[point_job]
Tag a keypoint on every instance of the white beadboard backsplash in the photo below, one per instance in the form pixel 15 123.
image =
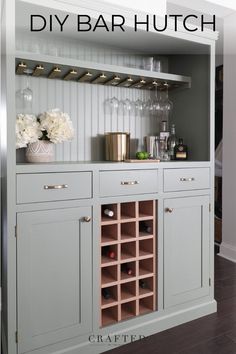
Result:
pixel 85 105
pixel 85 102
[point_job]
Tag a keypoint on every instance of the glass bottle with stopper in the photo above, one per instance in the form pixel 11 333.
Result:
pixel 164 133
pixel 164 153
pixel 172 142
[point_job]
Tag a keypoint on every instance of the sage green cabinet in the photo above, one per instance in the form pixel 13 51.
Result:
pixel 54 280
pixel 186 249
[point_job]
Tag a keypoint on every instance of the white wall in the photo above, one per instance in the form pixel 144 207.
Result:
pixel 174 7
pixel 219 60
pixel 228 248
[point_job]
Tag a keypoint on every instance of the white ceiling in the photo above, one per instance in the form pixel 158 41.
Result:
pixel 231 4
pixel 209 6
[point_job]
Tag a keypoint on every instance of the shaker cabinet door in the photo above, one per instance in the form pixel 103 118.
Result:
pixel 186 249
pixel 54 251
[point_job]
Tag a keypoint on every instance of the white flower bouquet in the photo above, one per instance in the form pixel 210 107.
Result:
pixel 27 130
pixel 54 126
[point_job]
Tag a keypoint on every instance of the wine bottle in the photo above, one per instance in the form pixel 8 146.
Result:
pixel 144 227
pixel 108 213
pixel 142 284
pixel 126 269
pixel 106 251
pixel 106 294
pixel 172 142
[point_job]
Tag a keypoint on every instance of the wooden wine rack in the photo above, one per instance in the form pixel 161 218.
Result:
pixel 134 247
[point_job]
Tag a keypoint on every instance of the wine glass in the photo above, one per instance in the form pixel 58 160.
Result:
pixel 27 92
pixel 167 107
pixel 107 106
pixel 139 105
pixel 128 106
pixel 148 106
pixel 114 103
pixel 158 105
pixel 111 105
pixel 24 97
pixel 121 107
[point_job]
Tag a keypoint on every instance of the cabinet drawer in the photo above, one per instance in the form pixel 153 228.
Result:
pixel 115 183
pixel 46 187
pixel 186 179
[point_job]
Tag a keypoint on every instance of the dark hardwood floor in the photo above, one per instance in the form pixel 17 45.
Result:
pixel 214 334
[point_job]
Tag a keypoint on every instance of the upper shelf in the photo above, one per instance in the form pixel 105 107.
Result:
pixel 96 73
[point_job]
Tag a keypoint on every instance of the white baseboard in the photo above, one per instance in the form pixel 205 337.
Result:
pixel 228 252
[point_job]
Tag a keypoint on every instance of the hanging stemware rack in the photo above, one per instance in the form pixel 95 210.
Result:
pixel 96 73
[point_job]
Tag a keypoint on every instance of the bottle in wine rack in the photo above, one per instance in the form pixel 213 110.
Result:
pixel 108 212
pixel 126 269
pixel 106 294
pixel 108 252
pixel 142 284
pixel 144 227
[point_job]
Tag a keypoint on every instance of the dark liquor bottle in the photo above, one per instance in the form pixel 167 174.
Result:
pixel 142 284
pixel 109 213
pixel 126 269
pixel 144 227
pixel 106 294
pixel 107 252
pixel 172 142
pixel 181 151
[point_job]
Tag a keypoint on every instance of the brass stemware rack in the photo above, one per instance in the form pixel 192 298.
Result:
pixel 96 73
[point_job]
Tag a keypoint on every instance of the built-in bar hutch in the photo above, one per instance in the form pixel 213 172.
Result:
pixel 97 248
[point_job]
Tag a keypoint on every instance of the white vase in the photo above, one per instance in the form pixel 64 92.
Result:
pixel 40 151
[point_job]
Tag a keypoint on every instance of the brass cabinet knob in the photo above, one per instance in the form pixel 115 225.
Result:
pixel 87 218
pixel 169 210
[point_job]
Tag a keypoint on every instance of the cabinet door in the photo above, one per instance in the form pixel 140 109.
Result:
pixel 186 249
pixel 54 283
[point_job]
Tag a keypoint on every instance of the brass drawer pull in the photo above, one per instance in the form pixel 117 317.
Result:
pixel 169 210
pixel 59 186
pixel 187 179
pixel 133 183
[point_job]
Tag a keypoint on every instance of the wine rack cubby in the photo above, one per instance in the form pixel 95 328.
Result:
pixel 128 260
